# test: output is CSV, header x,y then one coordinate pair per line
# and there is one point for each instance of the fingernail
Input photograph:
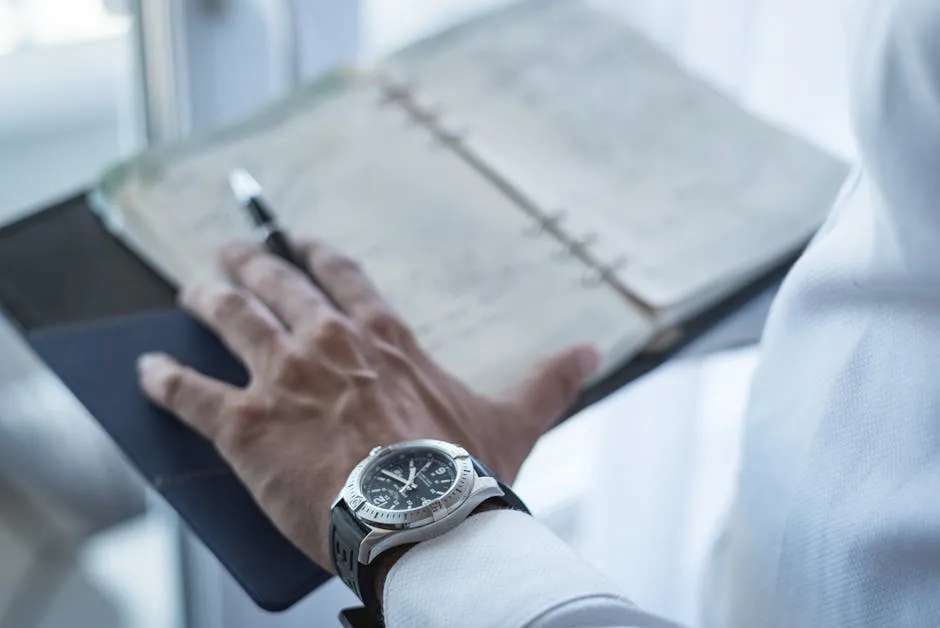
x,y
587,360
147,361
185,295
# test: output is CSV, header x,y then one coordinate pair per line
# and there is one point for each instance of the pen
x,y
248,193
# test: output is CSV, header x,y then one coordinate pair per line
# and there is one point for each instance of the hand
x,y
328,384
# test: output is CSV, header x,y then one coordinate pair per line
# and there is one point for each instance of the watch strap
x,y
509,497
359,617
346,535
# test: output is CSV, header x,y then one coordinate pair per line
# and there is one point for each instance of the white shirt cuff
x,y
503,569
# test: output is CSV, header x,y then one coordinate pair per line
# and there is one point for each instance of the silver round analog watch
x,y
404,494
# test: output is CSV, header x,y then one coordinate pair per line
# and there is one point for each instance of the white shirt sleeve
x,y
836,521
504,569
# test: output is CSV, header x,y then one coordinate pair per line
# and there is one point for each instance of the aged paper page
x,y
663,177
447,248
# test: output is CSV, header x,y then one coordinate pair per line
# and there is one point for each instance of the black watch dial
x,y
408,479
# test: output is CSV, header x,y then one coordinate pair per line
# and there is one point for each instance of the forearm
x,y
503,569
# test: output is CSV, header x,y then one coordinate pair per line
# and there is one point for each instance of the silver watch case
x,y
390,528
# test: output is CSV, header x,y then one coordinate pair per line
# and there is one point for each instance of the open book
x,y
541,176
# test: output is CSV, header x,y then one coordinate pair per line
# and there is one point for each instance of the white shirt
x,y
836,521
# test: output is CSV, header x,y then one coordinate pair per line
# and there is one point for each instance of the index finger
x,y
284,289
343,278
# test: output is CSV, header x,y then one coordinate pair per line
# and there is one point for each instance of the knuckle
x,y
171,387
566,380
227,303
265,336
334,330
336,339
248,408
384,324
273,276
571,380
242,424
291,368
341,265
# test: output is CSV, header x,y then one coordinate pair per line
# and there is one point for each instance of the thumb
x,y
554,385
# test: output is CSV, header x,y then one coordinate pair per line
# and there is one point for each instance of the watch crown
x,y
375,450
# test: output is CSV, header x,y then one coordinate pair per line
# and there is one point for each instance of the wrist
x,y
387,560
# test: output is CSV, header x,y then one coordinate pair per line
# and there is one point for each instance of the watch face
x,y
408,479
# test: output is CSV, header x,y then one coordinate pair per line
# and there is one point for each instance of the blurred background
x,y
84,83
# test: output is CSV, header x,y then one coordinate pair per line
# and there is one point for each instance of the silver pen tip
x,y
243,185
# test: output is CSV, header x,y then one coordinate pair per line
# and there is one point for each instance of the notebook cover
x,y
97,362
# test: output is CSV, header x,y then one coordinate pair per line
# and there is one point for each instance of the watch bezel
x,y
372,515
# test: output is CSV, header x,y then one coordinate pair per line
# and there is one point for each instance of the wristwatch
x,y
403,494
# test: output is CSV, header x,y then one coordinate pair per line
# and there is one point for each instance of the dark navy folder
x,y
97,362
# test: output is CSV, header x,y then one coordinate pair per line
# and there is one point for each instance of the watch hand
x,y
395,476
411,480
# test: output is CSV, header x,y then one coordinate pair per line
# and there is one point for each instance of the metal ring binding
x,y
389,94
616,265
445,135
602,274
431,112
434,114
543,222
585,242
392,93
576,248
396,89
592,278
456,137
425,113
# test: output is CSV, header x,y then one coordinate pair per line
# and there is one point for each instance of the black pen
x,y
248,193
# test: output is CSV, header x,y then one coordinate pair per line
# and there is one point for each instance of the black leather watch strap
x,y
346,535
509,497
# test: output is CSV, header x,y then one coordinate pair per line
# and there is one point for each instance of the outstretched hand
x,y
329,383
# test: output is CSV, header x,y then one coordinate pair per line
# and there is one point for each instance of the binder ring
x,y
431,112
616,265
585,242
399,89
455,137
601,274
425,114
543,222
578,247
592,278
393,91
446,138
